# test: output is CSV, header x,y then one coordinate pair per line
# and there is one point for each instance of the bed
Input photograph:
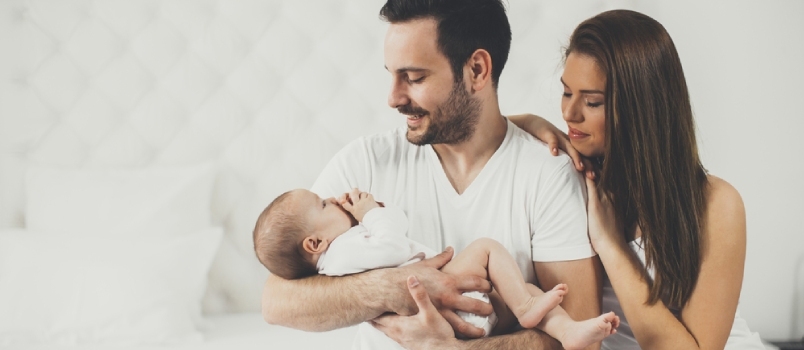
x,y
243,331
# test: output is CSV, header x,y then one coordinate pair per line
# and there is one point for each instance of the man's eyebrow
x,y
410,69
583,91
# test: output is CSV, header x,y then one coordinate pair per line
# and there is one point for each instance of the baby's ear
x,y
313,245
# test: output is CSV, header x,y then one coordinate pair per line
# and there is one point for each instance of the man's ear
x,y
313,245
479,69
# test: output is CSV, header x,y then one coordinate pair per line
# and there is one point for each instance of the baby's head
x,y
295,229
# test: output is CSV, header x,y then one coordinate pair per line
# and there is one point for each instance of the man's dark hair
x,y
463,27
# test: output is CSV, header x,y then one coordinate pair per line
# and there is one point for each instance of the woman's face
x,y
582,104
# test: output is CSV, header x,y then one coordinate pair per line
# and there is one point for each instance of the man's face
x,y
439,109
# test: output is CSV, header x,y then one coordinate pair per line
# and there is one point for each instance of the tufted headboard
x,y
267,89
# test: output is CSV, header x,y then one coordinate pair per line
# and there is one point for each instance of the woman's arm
x,y
549,134
707,318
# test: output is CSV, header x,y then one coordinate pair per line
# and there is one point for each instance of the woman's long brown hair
x,y
651,167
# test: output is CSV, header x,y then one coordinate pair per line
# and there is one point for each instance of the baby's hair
x,y
278,238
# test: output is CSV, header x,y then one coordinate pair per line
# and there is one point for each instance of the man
x,y
460,171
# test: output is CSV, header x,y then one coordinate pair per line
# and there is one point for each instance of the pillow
x,y
67,289
154,201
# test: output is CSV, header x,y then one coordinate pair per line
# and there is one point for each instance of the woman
x,y
670,236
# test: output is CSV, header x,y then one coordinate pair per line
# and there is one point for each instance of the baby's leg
x,y
573,334
487,258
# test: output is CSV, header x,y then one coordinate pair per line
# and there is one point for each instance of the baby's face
x,y
325,216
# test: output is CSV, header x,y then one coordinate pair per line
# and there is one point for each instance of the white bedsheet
x,y
244,331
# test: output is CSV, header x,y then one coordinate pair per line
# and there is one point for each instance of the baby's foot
x,y
584,333
536,307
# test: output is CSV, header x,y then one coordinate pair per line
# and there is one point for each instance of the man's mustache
x,y
410,110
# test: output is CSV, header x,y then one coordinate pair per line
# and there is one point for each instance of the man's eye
x,y
414,81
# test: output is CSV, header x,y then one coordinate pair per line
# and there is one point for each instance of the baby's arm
x,y
379,220
358,203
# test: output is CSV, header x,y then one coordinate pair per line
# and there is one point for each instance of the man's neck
x,y
463,162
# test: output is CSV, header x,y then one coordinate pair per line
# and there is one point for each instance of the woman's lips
x,y
576,134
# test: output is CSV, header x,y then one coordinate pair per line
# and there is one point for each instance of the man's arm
x,y
429,330
581,303
533,339
322,303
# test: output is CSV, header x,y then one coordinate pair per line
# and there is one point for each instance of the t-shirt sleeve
x,y
559,224
348,169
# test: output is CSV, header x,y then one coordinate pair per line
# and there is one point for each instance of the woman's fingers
x,y
577,159
550,138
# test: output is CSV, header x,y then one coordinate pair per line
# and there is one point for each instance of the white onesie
x,y
378,242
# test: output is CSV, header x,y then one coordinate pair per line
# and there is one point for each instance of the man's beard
x,y
453,122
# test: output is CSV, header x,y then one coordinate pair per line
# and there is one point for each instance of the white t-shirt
x,y
525,198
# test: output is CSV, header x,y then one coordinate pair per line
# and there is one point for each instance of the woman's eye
x,y
567,95
594,104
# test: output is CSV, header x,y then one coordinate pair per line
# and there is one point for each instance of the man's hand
x,y
425,330
358,203
446,293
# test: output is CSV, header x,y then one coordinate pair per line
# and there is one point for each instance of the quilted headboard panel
x,y
267,89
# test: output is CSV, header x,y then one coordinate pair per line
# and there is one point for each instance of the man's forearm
x,y
323,303
525,339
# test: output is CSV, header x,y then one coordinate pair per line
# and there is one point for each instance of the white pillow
x,y
153,201
71,289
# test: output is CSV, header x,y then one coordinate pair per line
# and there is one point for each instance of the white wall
x,y
745,63
270,89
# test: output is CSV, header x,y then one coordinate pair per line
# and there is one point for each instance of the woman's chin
x,y
586,151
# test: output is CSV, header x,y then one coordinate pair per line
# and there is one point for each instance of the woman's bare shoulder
x,y
725,211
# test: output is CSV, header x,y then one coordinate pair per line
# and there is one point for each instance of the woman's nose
x,y
570,111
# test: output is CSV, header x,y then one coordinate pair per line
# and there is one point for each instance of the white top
x,y
379,241
525,198
740,338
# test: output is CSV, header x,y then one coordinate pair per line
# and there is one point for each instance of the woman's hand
x,y
425,330
604,230
552,136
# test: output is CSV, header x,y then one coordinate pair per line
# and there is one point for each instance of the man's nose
x,y
398,96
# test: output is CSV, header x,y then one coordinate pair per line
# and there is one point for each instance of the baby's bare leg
x,y
487,258
573,334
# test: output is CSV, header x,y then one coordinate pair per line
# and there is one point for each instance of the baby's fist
x,y
359,203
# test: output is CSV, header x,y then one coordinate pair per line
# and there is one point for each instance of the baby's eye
x,y
323,204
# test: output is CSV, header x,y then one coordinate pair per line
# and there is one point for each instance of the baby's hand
x,y
358,203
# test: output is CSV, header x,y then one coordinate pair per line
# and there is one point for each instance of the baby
x,y
299,235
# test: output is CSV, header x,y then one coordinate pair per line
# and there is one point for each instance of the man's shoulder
x,y
534,155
